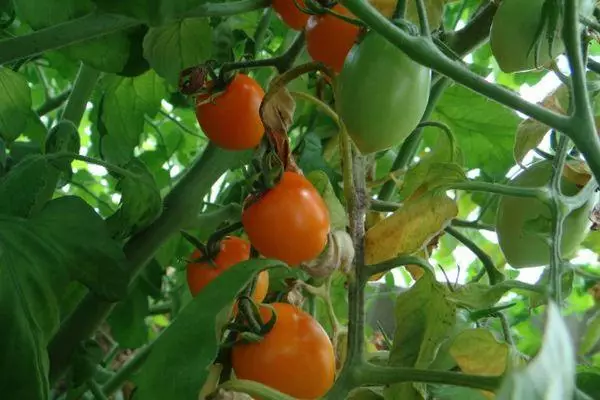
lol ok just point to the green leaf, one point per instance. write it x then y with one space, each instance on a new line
485 130
477 295
176 46
85 361
15 104
155 12
38 258
124 104
337 213
189 345
588 381
128 320
428 175
424 320
141 202
551 374
22 200
107 53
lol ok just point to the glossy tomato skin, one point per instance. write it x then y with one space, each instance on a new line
289 222
382 94
513 32
232 120
290 14
232 250
329 39
522 224
296 357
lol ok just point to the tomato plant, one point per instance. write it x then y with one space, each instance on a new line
329 38
232 250
230 118
382 94
296 357
289 222
524 225
290 14
366 156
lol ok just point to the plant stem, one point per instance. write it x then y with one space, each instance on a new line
180 206
507 190
82 90
96 390
255 389
371 375
52 103
111 167
494 275
261 30
423 21
424 52
127 370
397 262
161 308
559 215
99 24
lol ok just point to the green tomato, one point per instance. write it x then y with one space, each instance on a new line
382 94
514 30
524 224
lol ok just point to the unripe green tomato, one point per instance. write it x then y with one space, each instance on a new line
382 94
514 30
524 224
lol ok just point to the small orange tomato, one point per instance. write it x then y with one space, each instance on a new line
290 14
233 250
329 38
295 357
289 222
231 120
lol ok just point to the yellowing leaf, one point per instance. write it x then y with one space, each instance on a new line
409 228
278 112
577 171
476 351
428 175
530 132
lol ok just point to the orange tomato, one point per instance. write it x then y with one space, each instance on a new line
289 222
232 250
296 357
329 39
290 14
232 120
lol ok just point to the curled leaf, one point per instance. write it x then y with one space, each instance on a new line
277 111
577 171
339 254
409 228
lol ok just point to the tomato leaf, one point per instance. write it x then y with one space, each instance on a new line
178 45
424 320
189 345
107 53
24 200
484 130
477 295
124 104
39 256
409 228
478 352
128 320
337 213
428 175
140 202
551 374
154 11
15 104
588 380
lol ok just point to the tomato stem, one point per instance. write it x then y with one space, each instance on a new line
254 389
423 21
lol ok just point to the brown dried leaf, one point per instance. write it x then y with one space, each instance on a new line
595 217
278 112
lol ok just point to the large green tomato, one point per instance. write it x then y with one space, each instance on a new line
514 30
524 224
382 94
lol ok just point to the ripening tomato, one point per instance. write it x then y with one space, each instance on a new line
513 33
289 222
296 357
382 94
232 120
290 14
329 38
524 224
233 250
